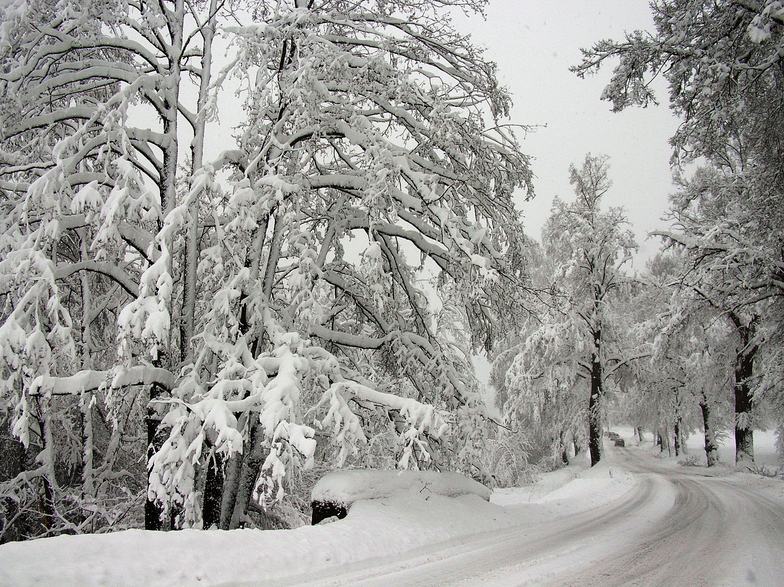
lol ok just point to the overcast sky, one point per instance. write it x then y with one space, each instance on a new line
534 43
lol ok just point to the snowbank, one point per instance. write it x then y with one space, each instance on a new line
571 489
593 487
381 527
346 487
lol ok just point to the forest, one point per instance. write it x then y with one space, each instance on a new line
189 341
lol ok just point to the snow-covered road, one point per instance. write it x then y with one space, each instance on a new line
676 526
632 520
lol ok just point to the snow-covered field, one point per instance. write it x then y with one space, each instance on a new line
563 523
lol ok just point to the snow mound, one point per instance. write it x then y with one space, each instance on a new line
595 486
385 528
346 487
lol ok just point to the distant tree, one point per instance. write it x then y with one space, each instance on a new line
727 274
686 359
576 346
723 64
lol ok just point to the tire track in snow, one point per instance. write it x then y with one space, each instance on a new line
499 553
676 527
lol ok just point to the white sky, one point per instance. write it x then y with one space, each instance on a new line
534 43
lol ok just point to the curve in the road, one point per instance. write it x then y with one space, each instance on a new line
677 527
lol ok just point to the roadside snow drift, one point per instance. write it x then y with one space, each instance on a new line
382 527
391 515
346 487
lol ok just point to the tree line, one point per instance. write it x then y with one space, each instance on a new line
696 339
185 339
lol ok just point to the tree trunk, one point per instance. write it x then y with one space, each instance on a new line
152 510
744 402
85 400
230 489
711 450
640 434
191 253
213 490
594 406
659 441
251 465
666 440
47 458
562 448
677 437
170 95
11 464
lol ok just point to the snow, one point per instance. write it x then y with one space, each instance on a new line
765 454
575 488
404 526
346 487
393 513
88 380
390 526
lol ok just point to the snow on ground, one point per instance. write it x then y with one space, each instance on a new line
400 526
765 454
766 459
389 526
346 487
404 522
575 488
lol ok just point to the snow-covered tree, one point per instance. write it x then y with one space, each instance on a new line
366 158
730 274
270 297
683 378
576 346
723 64
92 117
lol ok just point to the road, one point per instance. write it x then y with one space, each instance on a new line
677 526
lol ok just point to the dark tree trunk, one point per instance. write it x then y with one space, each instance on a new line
230 488
640 434
666 441
213 491
46 500
12 461
677 437
744 402
562 448
594 404
711 450
235 493
153 512
12 451
251 466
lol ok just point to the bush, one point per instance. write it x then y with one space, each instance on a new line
688 461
